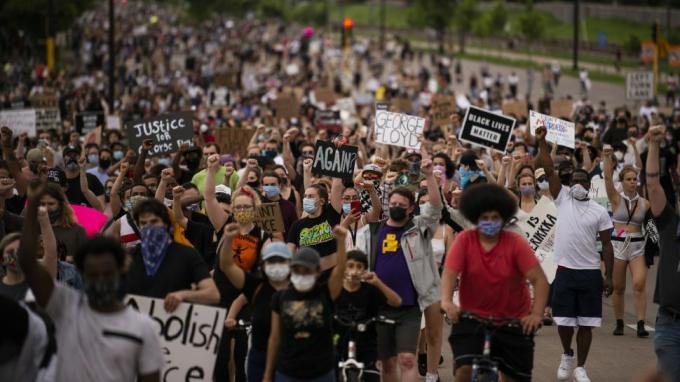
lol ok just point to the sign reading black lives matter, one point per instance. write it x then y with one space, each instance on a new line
398 129
487 129
89 120
189 337
334 161
168 132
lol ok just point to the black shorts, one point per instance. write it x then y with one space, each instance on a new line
577 297
402 337
513 350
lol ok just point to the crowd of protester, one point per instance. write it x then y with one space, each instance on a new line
435 230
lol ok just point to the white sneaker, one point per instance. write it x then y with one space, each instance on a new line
566 368
580 375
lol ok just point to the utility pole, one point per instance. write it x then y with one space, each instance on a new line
576 26
112 57
382 25
51 29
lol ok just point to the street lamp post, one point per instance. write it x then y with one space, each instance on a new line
112 57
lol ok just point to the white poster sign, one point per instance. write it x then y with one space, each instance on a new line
19 121
539 229
639 86
559 131
112 122
398 129
189 337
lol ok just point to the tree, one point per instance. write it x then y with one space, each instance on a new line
465 15
531 24
492 22
435 14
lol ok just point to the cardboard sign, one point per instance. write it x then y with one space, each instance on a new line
347 104
404 105
268 217
113 122
19 121
561 108
559 131
168 132
89 120
48 119
325 95
487 129
328 120
334 161
443 106
286 106
189 337
44 101
539 229
398 129
598 192
228 79
674 56
234 140
517 108
639 86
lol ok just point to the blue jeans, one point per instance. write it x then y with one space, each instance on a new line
667 345
257 362
330 377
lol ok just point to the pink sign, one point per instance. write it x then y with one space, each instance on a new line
90 219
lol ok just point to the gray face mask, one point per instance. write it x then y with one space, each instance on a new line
101 292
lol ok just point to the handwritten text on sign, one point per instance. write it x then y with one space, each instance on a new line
268 217
19 121
189 337
487 129
334 161
539 229
639 86
558 130
398 129
168 132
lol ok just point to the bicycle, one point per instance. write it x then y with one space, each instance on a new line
351 369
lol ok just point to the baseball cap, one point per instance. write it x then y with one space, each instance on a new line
70 150
373 168
308 258
539 173
222 189
227 158
278 249
35 155
56 175
410 153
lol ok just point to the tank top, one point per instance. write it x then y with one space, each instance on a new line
128 232
438 249
630 211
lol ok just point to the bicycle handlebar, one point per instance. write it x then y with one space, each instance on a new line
492 321
359 324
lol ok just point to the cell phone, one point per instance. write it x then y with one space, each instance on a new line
356 206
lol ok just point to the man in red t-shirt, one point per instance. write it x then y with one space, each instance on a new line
493 265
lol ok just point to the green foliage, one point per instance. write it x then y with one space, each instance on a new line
632 45
313 12
435 14
466 14
531 24
203 9
30 16
492 22
275 9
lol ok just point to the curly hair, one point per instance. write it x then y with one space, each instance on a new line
97 246
480 198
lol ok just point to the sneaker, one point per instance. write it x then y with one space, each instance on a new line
566 367
580 375
641 331
618 331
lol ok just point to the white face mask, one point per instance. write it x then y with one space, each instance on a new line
543 185
425 209
303 283
277 271
618 155
578 192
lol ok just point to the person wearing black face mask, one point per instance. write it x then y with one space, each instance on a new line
617 131
77 188
100 310
101 170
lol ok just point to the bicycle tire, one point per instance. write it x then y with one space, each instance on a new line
485 376
351 375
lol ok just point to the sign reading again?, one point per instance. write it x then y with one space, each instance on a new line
398 129
168 132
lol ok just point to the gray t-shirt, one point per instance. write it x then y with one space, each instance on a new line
26 367
667 292
95 346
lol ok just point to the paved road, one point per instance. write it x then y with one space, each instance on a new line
611 359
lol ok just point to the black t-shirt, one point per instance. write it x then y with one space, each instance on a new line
667 292
10 223
16 292
201 237
15 204
259 294
181 267
316 232
76 196
359 306
306 345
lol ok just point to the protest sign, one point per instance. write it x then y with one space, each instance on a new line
598 191
47 119
347 104
402 104
234 140
518 109
286 106
539 229
639 86
328 120
398 129
558 130
268 217
561 108
325 95
113 122
44 101
334 161
443 107
484 128
189 337
89 120
228 79
19 121
168 132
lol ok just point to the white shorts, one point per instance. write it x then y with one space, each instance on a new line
628 246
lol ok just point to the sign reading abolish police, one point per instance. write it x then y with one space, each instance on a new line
398 129
189 337
334 161
539 229
558 130
639 86
168 132
487 129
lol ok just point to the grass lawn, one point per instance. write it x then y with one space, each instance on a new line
369 14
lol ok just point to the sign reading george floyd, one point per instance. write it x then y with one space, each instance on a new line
269 218
89 120
168 132
334 161
487 129
398 129
639 86
189 337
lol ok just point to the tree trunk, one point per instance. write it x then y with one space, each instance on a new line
440 40
461 41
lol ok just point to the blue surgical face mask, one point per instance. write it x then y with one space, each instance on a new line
93 158
309 205
118 155
346 208
271 191
165 162
490 227
269 153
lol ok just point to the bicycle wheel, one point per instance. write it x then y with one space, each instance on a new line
485 375
352 375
